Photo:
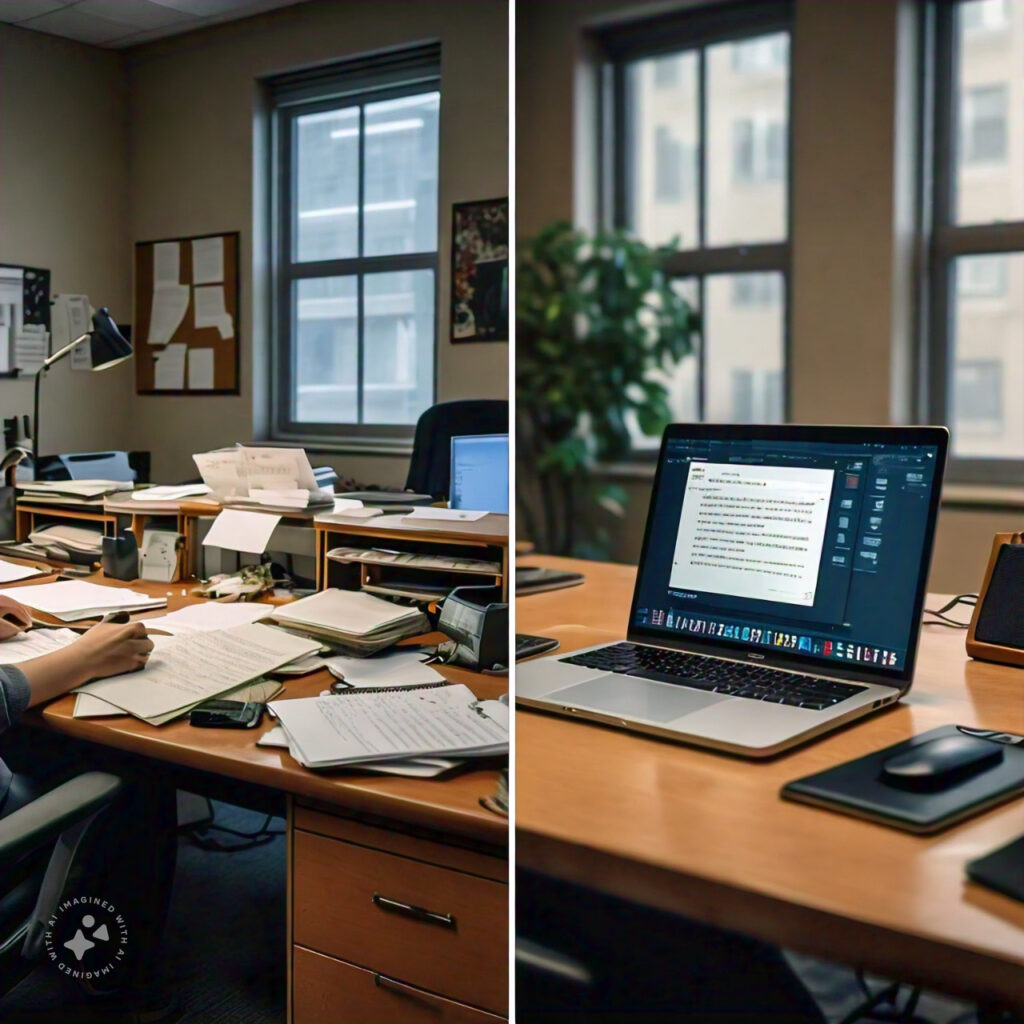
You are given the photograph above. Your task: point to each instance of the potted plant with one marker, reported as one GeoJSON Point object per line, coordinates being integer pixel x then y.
{"type": "Point", "coordinates": [596, 317]}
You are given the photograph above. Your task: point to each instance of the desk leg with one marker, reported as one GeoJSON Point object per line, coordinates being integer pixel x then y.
{"type": "Point", "coordinates": [289, 838]}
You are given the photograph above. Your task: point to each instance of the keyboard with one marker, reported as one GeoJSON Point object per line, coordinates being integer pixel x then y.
{"type": "Point", "coordinates": [737, 678]}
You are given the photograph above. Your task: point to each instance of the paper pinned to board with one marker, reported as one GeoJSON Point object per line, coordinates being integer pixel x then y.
{"type": "Point", "coordinates": [208, 260]}
{"type": "Point", "coordinates": [169, 368]}
{"type": "Point", "coordinates": [31, 347]}
{"type": "Point", "coordinates": [200, 369]}
{"type": "Point", "coordinates": [166, 263]}
{"type": "Point", "coordinates": [236, 530]}
{"type": "Point", "coordinates": [70, 320]}
{"type": "Point", "coordinates": [170, 303]}
{"type": "Point", "coordinates": [211, 311]}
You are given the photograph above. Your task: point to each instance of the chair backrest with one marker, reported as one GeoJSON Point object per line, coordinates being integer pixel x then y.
{"type": "Point", "coordinates": [98, 466]}
{"type": "Point", "coordinates": [430, 466]}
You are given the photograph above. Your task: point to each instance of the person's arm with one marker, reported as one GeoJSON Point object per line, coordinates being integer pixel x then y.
{"type": "Point", "coordinates": [105, 650]}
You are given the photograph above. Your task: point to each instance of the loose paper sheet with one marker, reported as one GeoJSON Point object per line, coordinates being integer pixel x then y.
{"type": "Point", "coordinates": [242, 531]}
{"type": "Point", "coordinates": [34, 644]}
{"type": "Point", "coordinates": [169, 368]}
{"type": "Point", "coordinates": [200, 369]}
{"type": "Point", "coordinates": [275, 469]}
{"type": "Point", "coordinates": [210, 310]}
{"type": "Point", "coordinates": [10, 573]}
{"type": "Point", "coordinates": [170, 303]}
{"type": "Point", "coordinates": [200, 667]}
{"type": "Point", "coordinates": [210, 615]}
{"type": "Point", "coordinates": [394, 668]}
{"type": "Point", "coordinates": [208, 260]}
{"type": "Point", "coordinates": [459, 515]}
{"type": "Point", "coordinates": [71, 599]}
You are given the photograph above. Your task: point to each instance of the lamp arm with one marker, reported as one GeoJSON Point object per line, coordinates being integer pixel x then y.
{"type": "Point", "coordinates": [47, 363]}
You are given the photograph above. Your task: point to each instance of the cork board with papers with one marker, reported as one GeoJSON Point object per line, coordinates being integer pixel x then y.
{"type": "Point", "coordinates": [186, 332]}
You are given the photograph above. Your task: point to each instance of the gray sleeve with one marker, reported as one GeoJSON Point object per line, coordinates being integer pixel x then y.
{"type": "Point", "coordinates": [14, 695]}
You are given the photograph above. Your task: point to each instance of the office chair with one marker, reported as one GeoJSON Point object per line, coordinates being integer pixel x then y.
{"type": "Point", "coordinates": [430, 466]}
{"type": "Point", "coordinates": [58, 820]}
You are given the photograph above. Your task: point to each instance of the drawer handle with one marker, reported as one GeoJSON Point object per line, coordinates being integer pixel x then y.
{"type": "Point", "coordinates": [408, 910]}
{"type": "Point", "coordinates": [404, 991]}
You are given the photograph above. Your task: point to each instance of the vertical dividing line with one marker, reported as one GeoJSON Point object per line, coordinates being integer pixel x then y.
{"type": "Point", "coordinates": [360, 277]}
{"type": "Point", "coordinates": [702, 341]}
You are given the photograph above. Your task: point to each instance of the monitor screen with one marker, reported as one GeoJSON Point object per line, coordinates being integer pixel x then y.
{"type": "Point", "coordinates": [815, 550]}
{"type": "Point", "coordinates": [480, 473]}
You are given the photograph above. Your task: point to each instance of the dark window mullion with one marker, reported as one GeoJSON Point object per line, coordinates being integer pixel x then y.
{"type": "Point", "coordinates": [360, 306]}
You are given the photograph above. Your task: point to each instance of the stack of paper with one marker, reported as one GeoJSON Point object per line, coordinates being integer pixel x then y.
{"type": "Point", "coordinates": [186, 670]}
{"type": "Point", "coordinates": [370, 726]}
{"type": "Point", "coordinates": [74, 492]}
{"type": "Point", "coordinates": [275, 479]}
{"type": "Point", "coordinates": [170, 492]}
{"type": "Point", "coordinates": [347, 509]}
{"type": "Point", "coordinates": [392, 668]}
{"type": "Point", "coordinates": [76, 599]}
{"type": "Point", "coordinates": [63, 540]}
{"type": "Point", "coordinates": [351, 619]}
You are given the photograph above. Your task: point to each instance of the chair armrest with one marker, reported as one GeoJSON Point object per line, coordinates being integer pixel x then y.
{"type": "Point", "coordinates": [40, 823]}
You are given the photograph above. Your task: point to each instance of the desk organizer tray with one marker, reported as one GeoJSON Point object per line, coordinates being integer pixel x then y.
{"type": "Point", "coordinates": [857, 787]}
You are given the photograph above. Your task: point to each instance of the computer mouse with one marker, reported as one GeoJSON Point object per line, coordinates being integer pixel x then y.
{"type": "Point", "coordinates": [940, 763]}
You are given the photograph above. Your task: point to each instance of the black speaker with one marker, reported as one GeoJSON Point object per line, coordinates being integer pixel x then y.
{"type": "Point", "coordinates": [996, 632]}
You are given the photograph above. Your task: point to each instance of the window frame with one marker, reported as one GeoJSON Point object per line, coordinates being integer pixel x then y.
{"type": "Point", "coordinates": [358, 82]}
{"type": "Point", "coordinates": [946, 241]}
{"type": "Point", "coordinates": [693, 30]}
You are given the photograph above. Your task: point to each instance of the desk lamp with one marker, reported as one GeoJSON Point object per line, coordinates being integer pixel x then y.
{"type": "Point", "coordinates": [108, 346]}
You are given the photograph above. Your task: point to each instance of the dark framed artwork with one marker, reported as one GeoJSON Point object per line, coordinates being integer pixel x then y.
{"type": "Point", "coordinates": [479, 306]}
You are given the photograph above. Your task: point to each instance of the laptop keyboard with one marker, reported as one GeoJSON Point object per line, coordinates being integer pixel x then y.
{"type": "Point", "coordinates": [737, 678]}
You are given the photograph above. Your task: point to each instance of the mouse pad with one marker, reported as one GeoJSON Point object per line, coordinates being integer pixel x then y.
{"type": "Point", "coordinates": [1002, 869]}
{"type": "Point", "coordinates": [859, 788]}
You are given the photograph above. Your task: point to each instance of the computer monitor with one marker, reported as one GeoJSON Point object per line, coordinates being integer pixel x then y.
{"type": "Point", "coordinates": [479, 478]}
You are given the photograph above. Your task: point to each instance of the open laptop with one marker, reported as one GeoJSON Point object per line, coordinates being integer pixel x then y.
{"type": "Point", "coordinates": [779, 590]}
{"type": "Point", "coordinates": [479, 475]}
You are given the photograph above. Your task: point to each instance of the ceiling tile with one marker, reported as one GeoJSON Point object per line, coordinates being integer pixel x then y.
{"type": "Point", "coordinates": [140, 15]}
{"type": "Point", "coordinates": [19, 10]}
{"type": "Point", "coordinates": [71, 23]}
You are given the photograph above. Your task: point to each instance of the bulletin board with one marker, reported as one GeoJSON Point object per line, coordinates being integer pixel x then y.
{"type": "Point", "coordinates": [186, 328]}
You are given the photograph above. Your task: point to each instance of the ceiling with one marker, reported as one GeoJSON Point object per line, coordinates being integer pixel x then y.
{"type": "Point", "coordinates": [121, 23]}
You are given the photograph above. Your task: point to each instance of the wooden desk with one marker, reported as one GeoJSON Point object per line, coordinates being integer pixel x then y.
{"type": "Point", "coordinates": [707, 835]}
{"type": "Point", "coordinates": [426, 843]}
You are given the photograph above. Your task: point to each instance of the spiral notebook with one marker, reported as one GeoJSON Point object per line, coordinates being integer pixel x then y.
{"type": "Point", "coordinates": [387, 723]}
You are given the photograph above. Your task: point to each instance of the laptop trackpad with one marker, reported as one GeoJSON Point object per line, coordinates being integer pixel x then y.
{"type": "Point", "coordinates": [635, 698]}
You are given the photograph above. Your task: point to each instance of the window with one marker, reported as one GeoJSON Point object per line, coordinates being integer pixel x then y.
{"type": "Point", "coordinates": [984, 16]}
{"type": "Point", "coordinates": [703, 161]}
{"type": "Point", "coordinates": [979, 396]}
{"type": "Point", "coordinates": [984, 124]}
{"type": "Point", "coordinates": [975, 312]}
{"type": "Point", "coordinates": [759, 151]}
{"type": "Point", "coordinates": [356, 161]}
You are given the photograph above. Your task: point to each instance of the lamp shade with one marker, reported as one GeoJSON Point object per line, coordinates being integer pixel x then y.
{"type": "Point", "coordinates": [107, 344]}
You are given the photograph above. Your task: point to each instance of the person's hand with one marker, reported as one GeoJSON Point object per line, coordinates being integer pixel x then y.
{"type": "Point", "coordinates": [109, 649]}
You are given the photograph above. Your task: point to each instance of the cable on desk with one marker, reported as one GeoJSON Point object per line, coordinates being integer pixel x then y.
{"type": "Point", "coordinates": [942, 619]}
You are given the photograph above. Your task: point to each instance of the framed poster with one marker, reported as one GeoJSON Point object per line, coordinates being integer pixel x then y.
{"type": "Point", "coordinates": [479, 305]}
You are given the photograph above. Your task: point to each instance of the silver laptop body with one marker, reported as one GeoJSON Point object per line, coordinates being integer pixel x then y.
{"type": "Point", "coordinates": [799, 550]}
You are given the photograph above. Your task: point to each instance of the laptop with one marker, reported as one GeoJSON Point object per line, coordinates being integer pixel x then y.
{"type": "Point", "coordinates": [479, 474]}
{"type": "Point", "coordinates": [779, 589]}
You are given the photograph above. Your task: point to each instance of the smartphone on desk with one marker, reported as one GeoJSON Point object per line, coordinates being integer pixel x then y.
{"type": "Point", "coordinates": [226, 714]}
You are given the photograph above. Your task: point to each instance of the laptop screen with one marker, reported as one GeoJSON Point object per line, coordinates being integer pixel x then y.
{"type": "Point", "coordinates": [767, 540]}
{"type": "Point", "coordinates": [479, 479]}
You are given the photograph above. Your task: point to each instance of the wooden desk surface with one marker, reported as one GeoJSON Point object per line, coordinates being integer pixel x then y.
{"type": "Point", "coordinates": [449, 804]}
{"type": "Point", "coordinates": [707, 835]}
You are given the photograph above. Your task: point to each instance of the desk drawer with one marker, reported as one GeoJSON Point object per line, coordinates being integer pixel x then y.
{"type": "Point", "coordinates": [328, 991]}
{"type": "Point", "coordinates": [442, 930]}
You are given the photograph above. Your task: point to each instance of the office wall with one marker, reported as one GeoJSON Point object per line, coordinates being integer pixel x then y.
{"type": "Point", "coordinates": [852, 346]}
{"type": "Point", "coordinates": [63, 206]}
{"type": "Point", "coordinates": [196, 150]}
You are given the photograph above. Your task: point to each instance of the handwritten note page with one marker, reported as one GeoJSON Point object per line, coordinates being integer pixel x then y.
{"type": "Point", "coordinates": [199, 667]}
